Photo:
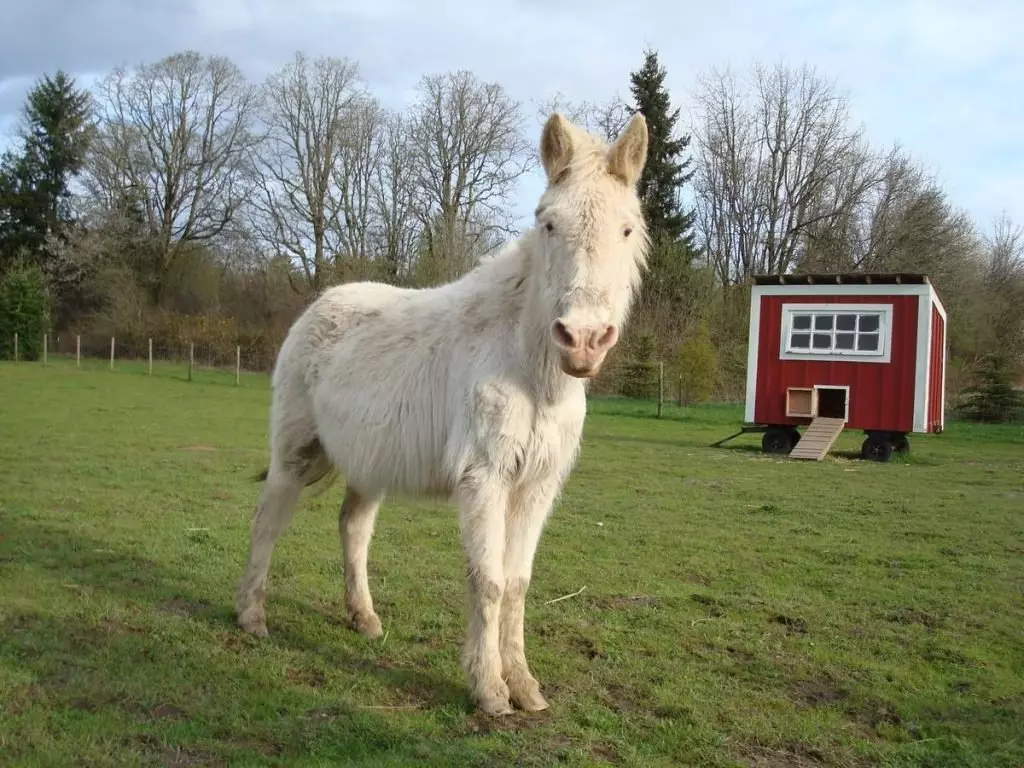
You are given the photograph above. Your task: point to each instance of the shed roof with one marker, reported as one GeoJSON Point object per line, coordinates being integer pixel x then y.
{"type": "Point", "coordinates": [844, 278]}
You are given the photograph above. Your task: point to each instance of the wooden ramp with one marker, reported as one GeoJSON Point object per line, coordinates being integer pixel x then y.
{"type": "Point", "coordinates": [818, 439]}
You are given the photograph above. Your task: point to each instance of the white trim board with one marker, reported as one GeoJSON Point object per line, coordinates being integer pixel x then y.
{"type": "Point", "coordinates": [842, 290]}
{"type": "Point", "coordinates": [923, 363]}
{"type": "Point", "coordinates": [753, 338]}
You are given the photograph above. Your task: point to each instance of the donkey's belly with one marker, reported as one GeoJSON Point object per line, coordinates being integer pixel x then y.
{"type": "Point", "coordinates": [381, 418]}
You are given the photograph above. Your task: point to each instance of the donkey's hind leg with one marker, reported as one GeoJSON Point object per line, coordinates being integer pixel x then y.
{"type": "Point", "coordinates": [273, 513]}
{"type": "Point", "coordinates": [355, 523]}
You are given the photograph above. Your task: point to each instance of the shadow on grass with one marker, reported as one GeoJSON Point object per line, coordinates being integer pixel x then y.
{"type": "Point", "coordinates": [164, 653]}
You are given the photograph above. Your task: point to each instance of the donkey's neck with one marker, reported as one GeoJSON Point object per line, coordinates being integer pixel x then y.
{"type": "Point", "coordinates": [539, 361]}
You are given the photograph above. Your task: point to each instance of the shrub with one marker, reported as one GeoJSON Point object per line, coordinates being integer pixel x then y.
{"type": "Point", "coordinates": [23, 311]}
{"type": "Point", "coordinates": [639, 377]}
{"type": "Point", "coordinates": [696, 364]}
{"type": "Point", "coordinates": [993, 398]}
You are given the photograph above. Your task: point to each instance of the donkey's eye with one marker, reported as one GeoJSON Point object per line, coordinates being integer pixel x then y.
{"type": "Point", "coordinates": [549, 227]}
{"type": "Point", "coordinates": [627, 232]}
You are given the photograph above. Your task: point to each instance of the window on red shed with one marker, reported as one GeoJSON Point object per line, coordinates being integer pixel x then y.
{"type": "Point", "coordinates": [843, 330]}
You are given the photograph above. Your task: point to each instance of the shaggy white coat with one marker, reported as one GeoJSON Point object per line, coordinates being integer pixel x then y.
{"type": "Point", "coordinates": [473, 390]}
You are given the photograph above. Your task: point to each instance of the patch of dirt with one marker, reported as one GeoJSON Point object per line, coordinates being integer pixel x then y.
{"type": "Point", "coordinates": [739, 653]}
{"type": "Point", "coordinates": [715, 607]}
{"type": "Point", "coordinates": [312, 678]}
{"type": "Point", "coordinates": [180, 607]}
{"type": "Point", "coordinates": [786, 757]}
{"type": "Point", "coordinates": [167, 712]}
{"type": "Point", "coordinates": [623, 699]}
{"type": "Point", "coordinates": [794, 624]}
{"type": "Point", "coordinates": [602, 752]}
{"type": "Point", "coordinates": [588, 647]}
{"type": "Point", "coordinates": [518, 722]}
{"type": "Point", "coordinates": [816, 693]}
{"type": "Point", "coordinates": [170, 756]}
{"type": "Point", "coordinates": [908, 615]}
{"type": "Point", "coordinates": [626, 602]}
{"type": "Point", "coordinates": [259, 746]}
{"type": "Point", "coordinates": [874, 713]}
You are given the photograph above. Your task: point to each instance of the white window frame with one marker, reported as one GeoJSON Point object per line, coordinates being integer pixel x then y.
{"type": "Point", "coordinates": [880, 355]}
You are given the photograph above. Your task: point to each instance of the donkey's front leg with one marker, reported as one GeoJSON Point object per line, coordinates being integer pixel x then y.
{"type": "Point", "coordinates": [527, 514]}
{"type": "Point", "coordinates": [483, 500]}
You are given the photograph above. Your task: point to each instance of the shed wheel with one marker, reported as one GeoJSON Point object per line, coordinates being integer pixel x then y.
{"type": "Point", "coordinates": [794, 437]}
{"type": "Point", "coordinates": [900, 444]}
{"type": "Point", "coordinates": [777, 440]}
{"type": "Point", "coordinates": [876, 448]}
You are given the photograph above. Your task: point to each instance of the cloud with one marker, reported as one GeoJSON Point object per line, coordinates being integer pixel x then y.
{"type": "Point", "coordinates": [939, 76]}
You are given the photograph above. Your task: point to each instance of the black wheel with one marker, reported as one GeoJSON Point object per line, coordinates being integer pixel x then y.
{"type": "Point", "coordinates": [777, 440]}
{"type": "Point", "coordinates": [900, 444]}
{"type": "Point", "coordinates": [876, 448]}
{"type": "Point", "coordinates": [794, 437]}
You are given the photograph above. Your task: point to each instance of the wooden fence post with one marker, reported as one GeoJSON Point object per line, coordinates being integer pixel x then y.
{"type": "Point", "coordinates": [238, 363]}
{"type": "Point", "coordinates": [150, 366]}
{"type": "Point", "coordinates": [111, 353]}
{"type": "Point", "coordinates": [15, 346]}
{"type": "Point", "coordinates": [191, 358]}
{"type": "Point", "coordinates": [78, 351]}
{"type": "Point", "coordinates": [661, 387]}
{"type": "Point", "coordinates": [680, 390]}
{"type": "Point", "coordinates": [46, 344]}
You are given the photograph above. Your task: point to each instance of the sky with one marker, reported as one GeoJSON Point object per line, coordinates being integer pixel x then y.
{"type": "Point", "coordinates": [941, 77]}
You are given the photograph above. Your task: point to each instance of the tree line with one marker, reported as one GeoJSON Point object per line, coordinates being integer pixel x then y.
{"type": "Point", "coordinates": [178, 197]}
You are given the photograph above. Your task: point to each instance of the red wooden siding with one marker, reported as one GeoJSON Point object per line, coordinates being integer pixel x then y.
{"type": "Point", "coordinates": [881, 394]}
{"type": "Point", "coordinates": [935, 369]}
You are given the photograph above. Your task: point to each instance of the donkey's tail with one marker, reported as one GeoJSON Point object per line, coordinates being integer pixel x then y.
{"type": "Point", "coordinates": [322, 478]}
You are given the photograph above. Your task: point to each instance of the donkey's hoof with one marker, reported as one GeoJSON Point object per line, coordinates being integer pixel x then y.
{"type": "Point", "coordinates": [494, 701]}
{"type": "Point", "coordinates": [528, 697]}
{"type": "Point", "coordinates": [253, 621]}
{"type": "Point", "coordinates": [368, 625]}
{"type": "Point", "coordinates": [256, 627]}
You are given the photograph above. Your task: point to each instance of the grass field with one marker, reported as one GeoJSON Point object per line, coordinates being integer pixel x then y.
{"type": "Point", "coordinates": [739, 610]}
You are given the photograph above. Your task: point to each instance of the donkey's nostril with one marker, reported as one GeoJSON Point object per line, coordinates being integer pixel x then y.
{"type": "Point", "coordinates": [608, 338]}
{"type": "Point", "coordinates": [563, 335]}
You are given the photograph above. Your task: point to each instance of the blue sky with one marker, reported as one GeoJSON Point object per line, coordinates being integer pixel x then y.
{"type": "Point", "coordinates": [941, 77]}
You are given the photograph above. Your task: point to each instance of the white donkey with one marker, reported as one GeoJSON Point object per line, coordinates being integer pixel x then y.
{"type": "Point", "coordinates": [472, 391]}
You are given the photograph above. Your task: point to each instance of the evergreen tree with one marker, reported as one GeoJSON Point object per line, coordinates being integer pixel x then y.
{"type": "Point", "coordinates": [35, 183]}
{"type": "Point", "coordinates": [666, 170]}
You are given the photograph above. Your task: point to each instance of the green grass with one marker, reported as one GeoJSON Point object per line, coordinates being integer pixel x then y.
{"type": "Point", "coordinates": [739, 610]}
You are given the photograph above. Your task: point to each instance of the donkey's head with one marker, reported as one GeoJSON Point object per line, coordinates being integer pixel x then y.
{"type": "Point", "coordinates": [592, 238]}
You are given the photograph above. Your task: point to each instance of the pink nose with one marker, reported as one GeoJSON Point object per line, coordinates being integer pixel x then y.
{"type": "Point", "coordinates": [585, 342]}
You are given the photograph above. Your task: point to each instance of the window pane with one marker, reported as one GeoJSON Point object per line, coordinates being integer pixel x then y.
{"type": "Point", "coordinates": [823, 322]}
{"type": "Point", "coordinates": [844, 340]}
{"type": "Point", "coordinates": [846, 323]}
{"type": "Point", "coordinates": [801, 322]}
{"type": "Point", "coordinates": [822, 341]}
{"type": "Point", "coordinates": [869, 323]}
{"type": "Point", "coordinates": [867, 342]}
{"type": "Point", "coordinates": [800, 340]}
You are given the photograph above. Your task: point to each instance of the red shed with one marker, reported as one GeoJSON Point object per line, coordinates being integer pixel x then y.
{"type": "Point", "coordinates": [854, 351]}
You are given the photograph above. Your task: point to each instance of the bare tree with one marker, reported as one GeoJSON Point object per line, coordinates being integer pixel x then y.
{"type": "Point", "coordinates": [602, 119]}
{"type": "Point", "coordinates": [355, 177]}
{"type": "Point", "coordinates": [173, 143]}
{"type": "Point", "coordinates": [306, 111]}
{"type": "Point", "coordinates": [397, 224]}
{"type": "Point", "coordinates": [469, 152]}
{"type": "Point", "coordinates": [772, 162]}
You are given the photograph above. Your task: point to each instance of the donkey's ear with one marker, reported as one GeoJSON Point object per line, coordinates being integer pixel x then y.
{"type": "Point", "coordinates": [555, 146]}
{"type": "Point", "coordinates": [629, 153]}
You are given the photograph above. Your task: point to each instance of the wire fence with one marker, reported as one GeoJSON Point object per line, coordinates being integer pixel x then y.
{"type": "Point", "coordinates": [215, 362]}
